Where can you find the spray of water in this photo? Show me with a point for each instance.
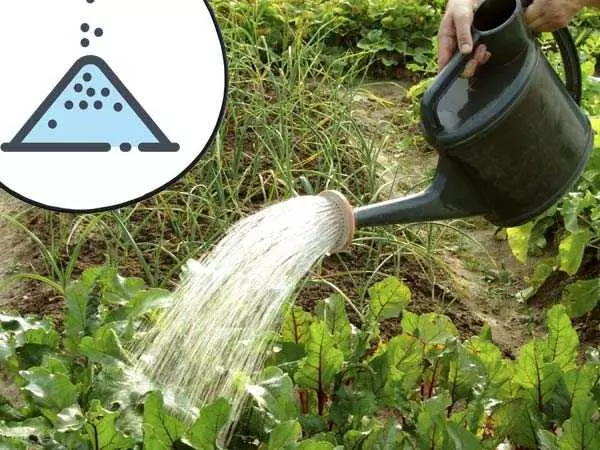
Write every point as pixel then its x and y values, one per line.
pixel 229 301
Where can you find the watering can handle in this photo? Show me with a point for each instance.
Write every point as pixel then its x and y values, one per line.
pixel 441 83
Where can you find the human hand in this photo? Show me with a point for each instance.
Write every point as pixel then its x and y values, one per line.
pixel 550 15
pixel 455 32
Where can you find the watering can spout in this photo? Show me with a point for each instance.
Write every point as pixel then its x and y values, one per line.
pixel 450 196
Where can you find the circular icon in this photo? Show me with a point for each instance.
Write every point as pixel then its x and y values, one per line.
pixel 106 102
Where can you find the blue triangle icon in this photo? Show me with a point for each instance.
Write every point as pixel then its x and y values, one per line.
pixel 90 110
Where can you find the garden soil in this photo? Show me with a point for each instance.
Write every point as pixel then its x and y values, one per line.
pixel 18 254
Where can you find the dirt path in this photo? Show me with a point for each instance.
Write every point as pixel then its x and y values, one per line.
pixel 16 256
pixel 482 274
pixel 15 250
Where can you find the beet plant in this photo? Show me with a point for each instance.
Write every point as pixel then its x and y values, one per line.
pixel 330 382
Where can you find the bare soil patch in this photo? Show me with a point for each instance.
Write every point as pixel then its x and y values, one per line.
pixel 18 255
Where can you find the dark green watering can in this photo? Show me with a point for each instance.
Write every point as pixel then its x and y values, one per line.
pixel 512 140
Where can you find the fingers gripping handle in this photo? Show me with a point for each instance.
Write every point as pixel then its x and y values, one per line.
pixel 441 83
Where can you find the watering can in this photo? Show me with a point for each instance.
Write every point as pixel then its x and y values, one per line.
pixel 511 140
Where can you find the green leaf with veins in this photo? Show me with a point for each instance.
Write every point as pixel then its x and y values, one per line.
pixel 323 360
pixel 207 429
pixel 388 298
pixel 562 342
pixel 161 429
pixel 102 432
pixel 49 390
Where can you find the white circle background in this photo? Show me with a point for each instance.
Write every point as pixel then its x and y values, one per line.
pixel 166 52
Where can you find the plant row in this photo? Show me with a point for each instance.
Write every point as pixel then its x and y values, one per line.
pixel 329 383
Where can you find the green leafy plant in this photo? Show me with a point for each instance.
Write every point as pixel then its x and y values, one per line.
pixel 329 383
pixel 390 34
pixel 424 388
pixel 70 389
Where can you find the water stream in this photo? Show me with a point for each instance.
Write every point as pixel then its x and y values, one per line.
pixel 231 300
